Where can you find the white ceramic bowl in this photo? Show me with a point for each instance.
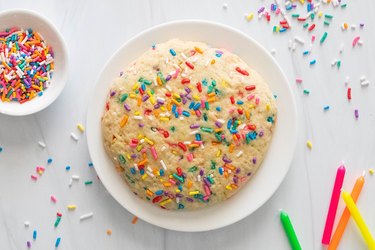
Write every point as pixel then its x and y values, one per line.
pixel 29 19
pixel 269 176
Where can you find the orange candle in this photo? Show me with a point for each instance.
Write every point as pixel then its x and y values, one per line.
pixel 346 214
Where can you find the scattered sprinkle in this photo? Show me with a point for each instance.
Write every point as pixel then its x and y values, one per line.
pixel 299 40
pixel 74 136
pixel 41 144
pixel 58 219
pixel 313 62
pixel 67 168
pixel 355 41
pixel 363 81
pixel 49 161
pixel 371 171
pixel 71 207
pixel 80 127
pixel 225 6
pixel 323 37
pixel 135 219
pixel 27 223
pixel 109 232
pixel 40 170
pixel 344 26
pixel 309 144
pixel 250 17
pixel 349 94
pixel 326 108
pixel 86 216
pixel 328 16
pixel 338 64
pixel 75 177
pixel 88 182
pixel 28 244
pixel 53 199
pixel 261 10
pixel 34 234
pixel 356 113
pixel 57 243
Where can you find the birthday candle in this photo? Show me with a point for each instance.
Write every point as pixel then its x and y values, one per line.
pixel 353 209
pixel 289 231
pixel 333 205
pixel 358 219
pixel 346 214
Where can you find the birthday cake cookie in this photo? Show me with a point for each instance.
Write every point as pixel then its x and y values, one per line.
pixel 187 125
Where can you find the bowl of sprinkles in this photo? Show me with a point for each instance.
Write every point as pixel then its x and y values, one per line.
pixel 152 161
pixel 33 62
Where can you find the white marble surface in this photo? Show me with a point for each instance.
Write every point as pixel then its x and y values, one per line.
pixel 93 31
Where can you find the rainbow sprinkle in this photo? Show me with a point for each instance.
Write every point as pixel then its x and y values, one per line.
pixel 27 65
pixel 58 219
pixel 57 243
pixel 135 220
pixel 309 144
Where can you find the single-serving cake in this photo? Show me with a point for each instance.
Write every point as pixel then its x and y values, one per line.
pixel 187 125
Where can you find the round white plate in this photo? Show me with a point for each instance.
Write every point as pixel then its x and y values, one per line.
pixel 269 176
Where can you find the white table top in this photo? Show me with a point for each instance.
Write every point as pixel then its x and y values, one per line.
pixel 93 31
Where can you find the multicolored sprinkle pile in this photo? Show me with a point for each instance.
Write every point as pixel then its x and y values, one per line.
pixel 26 65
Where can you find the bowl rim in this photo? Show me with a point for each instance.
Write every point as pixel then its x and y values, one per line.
pixel 259 46
pixel 64 62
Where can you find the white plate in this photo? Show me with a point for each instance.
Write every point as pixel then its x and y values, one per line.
pixel 269 176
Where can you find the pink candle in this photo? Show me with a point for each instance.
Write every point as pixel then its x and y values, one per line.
pixel 333 205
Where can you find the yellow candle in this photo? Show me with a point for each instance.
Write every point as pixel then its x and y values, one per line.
pixel 356 215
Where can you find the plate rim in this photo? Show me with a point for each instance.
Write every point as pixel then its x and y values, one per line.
pixel 259 46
